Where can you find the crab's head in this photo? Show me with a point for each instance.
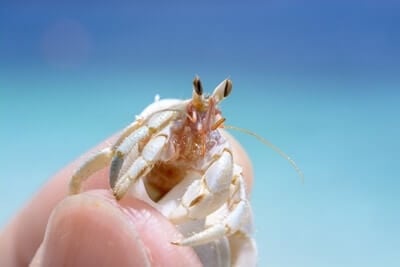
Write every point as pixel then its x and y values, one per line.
pixel 198 132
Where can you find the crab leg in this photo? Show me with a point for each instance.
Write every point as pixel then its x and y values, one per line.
pixel 98 161
pixel 126 146
pixel 206 195
pixel 127 131
pixel 132 136
pixel 141 166
pixel 92 165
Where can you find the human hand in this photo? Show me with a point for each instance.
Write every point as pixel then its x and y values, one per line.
pixel 93 229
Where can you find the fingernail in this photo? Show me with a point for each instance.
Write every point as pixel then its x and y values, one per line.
pixel 87 230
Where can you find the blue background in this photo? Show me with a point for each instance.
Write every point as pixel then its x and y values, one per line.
pixel 319 79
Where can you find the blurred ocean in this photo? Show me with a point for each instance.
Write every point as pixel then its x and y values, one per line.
pixel 319 80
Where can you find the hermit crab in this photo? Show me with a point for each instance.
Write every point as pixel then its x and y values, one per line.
pixel 175 157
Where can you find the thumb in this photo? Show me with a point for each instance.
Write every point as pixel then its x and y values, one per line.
pixel 86 230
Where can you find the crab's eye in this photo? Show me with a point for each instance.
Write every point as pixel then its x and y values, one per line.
pixel 198 88
pixel 228 88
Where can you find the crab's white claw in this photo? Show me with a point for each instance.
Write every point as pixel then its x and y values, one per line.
pixel 231 224
pixel 231 219
pixel 206 195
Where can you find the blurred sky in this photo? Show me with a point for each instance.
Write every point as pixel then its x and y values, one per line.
pixel 319 79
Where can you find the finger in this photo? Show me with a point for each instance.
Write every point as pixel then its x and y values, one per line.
pixel 92 229
pixel 21 238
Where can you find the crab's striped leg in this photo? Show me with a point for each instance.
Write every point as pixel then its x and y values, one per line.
pixel 92 165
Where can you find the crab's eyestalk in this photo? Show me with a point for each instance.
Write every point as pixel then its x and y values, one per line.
pixel 198 98
pixel 197 87
pixel 222 90
pixel 228 87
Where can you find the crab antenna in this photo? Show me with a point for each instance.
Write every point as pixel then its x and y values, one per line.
pixel 270 145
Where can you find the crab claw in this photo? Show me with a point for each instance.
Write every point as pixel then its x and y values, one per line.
pixel 206 195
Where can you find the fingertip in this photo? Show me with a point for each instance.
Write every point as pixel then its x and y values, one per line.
pixel 85 230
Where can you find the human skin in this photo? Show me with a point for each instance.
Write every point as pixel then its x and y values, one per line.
pixel 92 228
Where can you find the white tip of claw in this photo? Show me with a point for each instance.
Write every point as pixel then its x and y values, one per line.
pixel 178 215
pixel 156 98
